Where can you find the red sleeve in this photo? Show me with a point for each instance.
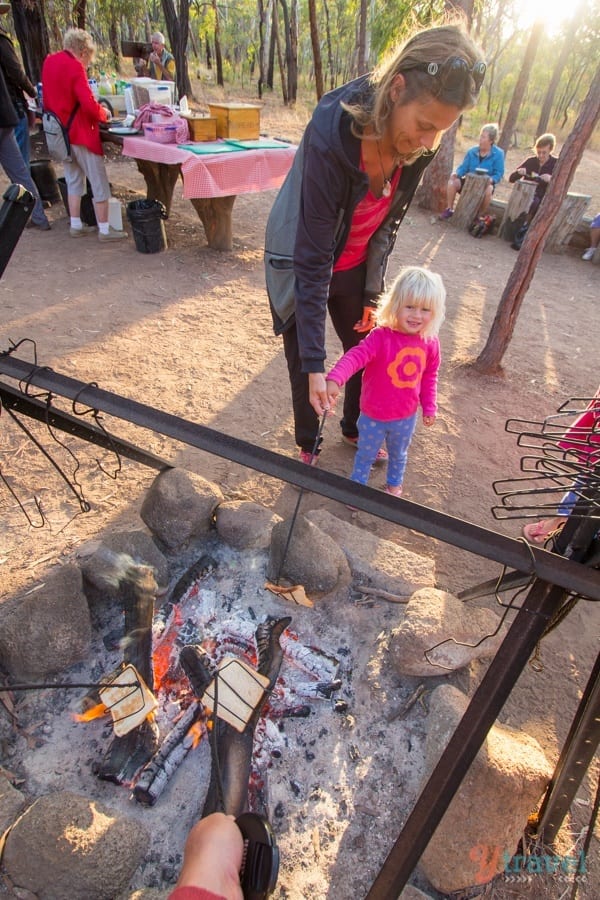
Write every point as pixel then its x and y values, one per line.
pixel 193 893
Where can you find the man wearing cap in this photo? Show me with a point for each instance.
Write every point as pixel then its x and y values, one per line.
pixel 11 158
pixel 161 63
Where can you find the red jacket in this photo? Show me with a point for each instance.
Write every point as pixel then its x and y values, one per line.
pixel 64 82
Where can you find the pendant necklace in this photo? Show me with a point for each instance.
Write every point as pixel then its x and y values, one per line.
pixel 387 183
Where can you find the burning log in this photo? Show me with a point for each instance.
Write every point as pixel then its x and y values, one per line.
pixel 174 749
pixel 127 754
pixel 138 589
pixel 232 749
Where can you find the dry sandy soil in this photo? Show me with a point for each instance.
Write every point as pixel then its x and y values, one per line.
pixel 188 331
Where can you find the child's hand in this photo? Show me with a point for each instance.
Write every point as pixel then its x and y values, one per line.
pixel 333 392
pixel 428 420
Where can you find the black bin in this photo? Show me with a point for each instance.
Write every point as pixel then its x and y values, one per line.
pixel 147 223
pixel 88 213
pixel 44 177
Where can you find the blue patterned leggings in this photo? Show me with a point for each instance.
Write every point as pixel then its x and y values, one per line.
pixel 397 435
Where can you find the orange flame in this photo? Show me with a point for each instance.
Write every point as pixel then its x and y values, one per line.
pixel 162 653
pixel 196 731
pixel 94 712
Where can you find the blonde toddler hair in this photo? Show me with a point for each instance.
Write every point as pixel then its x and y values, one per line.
pixel 415 286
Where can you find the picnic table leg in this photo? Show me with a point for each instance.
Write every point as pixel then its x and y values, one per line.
pixel 160 179
pixel 215 213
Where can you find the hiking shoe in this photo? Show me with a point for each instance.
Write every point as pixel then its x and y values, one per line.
pixel 309 458
pixel 113 235
pixel 589 253
pixel 447 214
pixel 81 232
pixel 382 455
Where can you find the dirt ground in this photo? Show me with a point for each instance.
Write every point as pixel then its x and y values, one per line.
pixel 188 331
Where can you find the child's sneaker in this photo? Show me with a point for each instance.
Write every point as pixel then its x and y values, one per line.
pixel 447 214
pixel 589 253
pixel 394 489
pixel 309 458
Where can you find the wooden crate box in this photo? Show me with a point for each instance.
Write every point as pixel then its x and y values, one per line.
pixel 202 128
pixel 239 121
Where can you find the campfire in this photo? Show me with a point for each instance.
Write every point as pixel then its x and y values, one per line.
pixel 199 669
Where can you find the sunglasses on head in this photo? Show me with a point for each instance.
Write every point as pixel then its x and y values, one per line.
pixel 452 72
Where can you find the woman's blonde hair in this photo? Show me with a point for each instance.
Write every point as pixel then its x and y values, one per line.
pixel 77 41
pixel 433 45
pixel 414 286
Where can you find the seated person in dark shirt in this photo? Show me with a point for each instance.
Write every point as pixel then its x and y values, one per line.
pixel 537 169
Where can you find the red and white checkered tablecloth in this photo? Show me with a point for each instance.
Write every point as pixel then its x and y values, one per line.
pixel 221 174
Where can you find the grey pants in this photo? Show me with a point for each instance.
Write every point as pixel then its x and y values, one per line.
pixel 14 165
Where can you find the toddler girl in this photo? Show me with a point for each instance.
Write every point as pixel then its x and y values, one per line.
pixel 401 359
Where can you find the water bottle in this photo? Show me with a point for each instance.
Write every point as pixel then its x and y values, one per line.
pixel 40 94
pixel 94 88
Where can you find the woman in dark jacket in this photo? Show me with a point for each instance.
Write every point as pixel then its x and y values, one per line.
pixel 11 159
pixel 335 218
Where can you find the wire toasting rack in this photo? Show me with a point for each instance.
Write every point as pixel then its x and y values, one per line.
pixel 564 457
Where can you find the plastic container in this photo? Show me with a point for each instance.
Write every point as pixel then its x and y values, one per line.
pixel 94 88
pixel 161 93
pixel 105 87
pixel 160 132
pixel 115 214
pixel 44 177
pixel 146 218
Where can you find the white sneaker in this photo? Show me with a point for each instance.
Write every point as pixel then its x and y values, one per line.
pixel 588 253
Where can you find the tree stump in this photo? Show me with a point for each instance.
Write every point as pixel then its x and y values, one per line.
pixel 566 221
pixel 160 179
pixel 517 209
pixel 215 214
pixel 469 200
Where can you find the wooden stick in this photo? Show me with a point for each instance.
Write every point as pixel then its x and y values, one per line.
pixel 403 710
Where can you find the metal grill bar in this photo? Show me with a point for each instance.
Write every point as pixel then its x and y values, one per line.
pixel 514 554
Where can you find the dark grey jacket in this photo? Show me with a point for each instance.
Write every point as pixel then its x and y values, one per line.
pixel 310 221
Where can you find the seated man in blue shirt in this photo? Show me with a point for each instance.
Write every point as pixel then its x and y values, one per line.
pixel 485 156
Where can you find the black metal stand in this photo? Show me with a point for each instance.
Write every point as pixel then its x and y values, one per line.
pixel 14 213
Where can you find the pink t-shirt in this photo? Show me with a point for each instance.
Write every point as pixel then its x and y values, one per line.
pixel 400 372
pixel 370 212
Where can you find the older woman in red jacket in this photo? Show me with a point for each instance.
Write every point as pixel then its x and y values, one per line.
pixel 67 93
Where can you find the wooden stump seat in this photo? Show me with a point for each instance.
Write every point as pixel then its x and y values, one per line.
pixel 566 221
pixel 469 200
pixel 517 209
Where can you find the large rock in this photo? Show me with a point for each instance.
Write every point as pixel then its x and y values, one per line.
pixel 312 558
pixel 445 628
pixel 179 507
pixel 12 802
pixel 65 846
pixel 373 561
pixel 245 525
pixel 482 826
pixel 48 629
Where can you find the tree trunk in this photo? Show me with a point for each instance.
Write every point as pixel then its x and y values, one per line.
pixel 557 71
pixel 521 86
pixel 489 360
pixel 218 54
pixel 262 65
pixel 362 55
pixel 316 48
pixel 280 56
pixel 431 193
pixel 330 64
pixel 178 26
pixel 79 11
pixel 292 62
pixel 32 35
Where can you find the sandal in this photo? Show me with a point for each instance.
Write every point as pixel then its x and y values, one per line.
pixel 540 532
pixel 382 454
pixel 394 489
